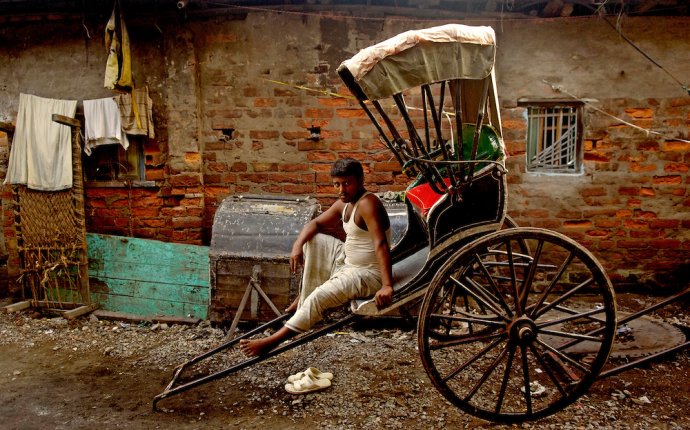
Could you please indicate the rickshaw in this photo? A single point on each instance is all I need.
(514, 323)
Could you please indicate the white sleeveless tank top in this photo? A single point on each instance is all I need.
(359, 245)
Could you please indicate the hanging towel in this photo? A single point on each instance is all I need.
(140, 98)
(118, 67)
(102, 124)
(41, 153)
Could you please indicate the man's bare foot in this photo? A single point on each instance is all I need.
(293, 306)
(255, 347)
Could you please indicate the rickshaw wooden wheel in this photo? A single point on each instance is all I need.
(501, 333)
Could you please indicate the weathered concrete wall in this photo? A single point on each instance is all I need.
(235, 99)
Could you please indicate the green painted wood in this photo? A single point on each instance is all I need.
(151, 290)
(148, 277)
(148, 307)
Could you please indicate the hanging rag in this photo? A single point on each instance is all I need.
(41, 153)
(137, 121)
(102, 124)
(118, 68)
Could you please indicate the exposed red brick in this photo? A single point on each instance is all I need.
(254, 177)
(676, 167)
(628, 191)
(577, 224)
(294, 135)
(264, 167)
(344, 146)
(597, 233)
(299, 189)
(632, 243)
(647, 192)
(265, 102)
(676, 145)
(607, 223)
(311, 145)
(318, 156)
(667, 180)
(664, 223)
(350, 113)
(666, 243)
(333, 101)
(601, 157)
(638, 167)
(635, 223)
(186, 222)
(640, 112)
(318, 113)
(593, 191)
(297, 167)
(185, 180)
(264, 134)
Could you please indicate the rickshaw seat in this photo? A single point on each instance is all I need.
(403, 272)
(423, 197)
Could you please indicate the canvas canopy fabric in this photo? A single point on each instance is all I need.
(417, 57)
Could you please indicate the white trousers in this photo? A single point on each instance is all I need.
(327, 282)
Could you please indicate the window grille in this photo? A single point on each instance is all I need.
(554, 139)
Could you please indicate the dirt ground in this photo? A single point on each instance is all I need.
(87, 374)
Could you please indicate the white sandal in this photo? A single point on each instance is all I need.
(307, 384)
(311, 371)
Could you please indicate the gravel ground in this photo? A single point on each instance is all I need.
(88, 372)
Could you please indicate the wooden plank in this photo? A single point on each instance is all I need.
(16, 307)
(121, 316)
(151, 290)
(148, 307)
(81, 310)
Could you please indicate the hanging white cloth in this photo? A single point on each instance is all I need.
(103, 124)
(41, 153)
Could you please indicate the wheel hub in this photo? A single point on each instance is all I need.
(522, 330)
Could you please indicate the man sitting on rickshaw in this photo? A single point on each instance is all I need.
(336, 272)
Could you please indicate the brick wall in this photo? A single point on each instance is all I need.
(238, 111)
(631, 207)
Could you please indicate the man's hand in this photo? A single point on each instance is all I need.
(296, 259)
(384, 296)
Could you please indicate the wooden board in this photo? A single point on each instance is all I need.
(148, 277)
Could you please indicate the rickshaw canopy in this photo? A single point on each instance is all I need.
(417, 57)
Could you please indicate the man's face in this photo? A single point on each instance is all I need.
(348, 187)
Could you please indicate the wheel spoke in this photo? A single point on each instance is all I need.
(504, 381)
(571, 335)
(563, 356)
(547, 369)
(562, 298)
(513, 276)
(552, 284)
(439, 344)
(472, 359)
(490, 298)
(525, 377)
(494, 287)
(527, 282)
(486, 374)
(572, 317)
(463, 318)
(480, 298)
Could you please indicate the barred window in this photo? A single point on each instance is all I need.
(554, 137)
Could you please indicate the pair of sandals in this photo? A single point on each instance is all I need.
(309, 381)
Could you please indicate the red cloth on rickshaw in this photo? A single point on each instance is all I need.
(423, 197)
